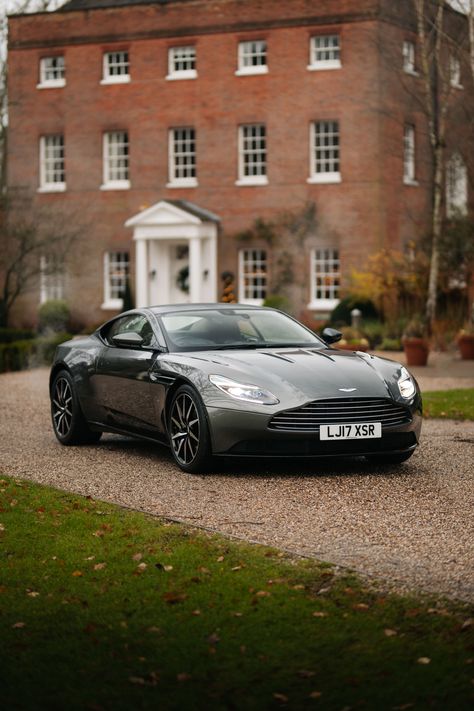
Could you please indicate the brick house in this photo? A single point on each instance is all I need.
(171, 126)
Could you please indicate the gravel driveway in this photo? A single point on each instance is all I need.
(413, 524)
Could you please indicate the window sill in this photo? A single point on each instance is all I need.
(185, 74)
(411, 72)
(183, 183)
(456, 86)
(112, 305)
(411, 183)
(252, 302)
(251, 71)
(53, 84)
(52, 188)
(325, 178)
(256, 181)
(323, 66)
(322, 304)
(117, 185)
(120, 79)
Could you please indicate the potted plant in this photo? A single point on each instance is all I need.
(465, 341)
(352, 340)
(415, 342)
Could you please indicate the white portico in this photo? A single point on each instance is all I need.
(175, 253)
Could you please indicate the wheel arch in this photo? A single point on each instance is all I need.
(181, 380)
(57, 367)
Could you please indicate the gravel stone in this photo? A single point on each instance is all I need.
(412, 525)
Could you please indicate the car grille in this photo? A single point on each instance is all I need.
(341, 411)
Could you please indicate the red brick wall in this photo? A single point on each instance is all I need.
(369, 209)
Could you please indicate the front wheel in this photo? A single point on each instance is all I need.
(69, 424)
(386, 459)
(188, 431)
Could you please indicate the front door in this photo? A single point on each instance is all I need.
(179, 273)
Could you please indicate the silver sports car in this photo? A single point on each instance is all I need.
(235, 380)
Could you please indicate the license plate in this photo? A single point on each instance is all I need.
(363, 430)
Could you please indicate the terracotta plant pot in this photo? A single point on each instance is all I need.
(466, 346)
(416, 351)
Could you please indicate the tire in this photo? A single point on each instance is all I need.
(386, 459)
(188, 431)
(69, 424)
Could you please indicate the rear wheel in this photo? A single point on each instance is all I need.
(188, 431)
(386, 459)
(69, 424)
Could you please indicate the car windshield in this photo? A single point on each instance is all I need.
(239, 328)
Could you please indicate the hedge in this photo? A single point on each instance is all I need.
(10, 335)
(28, 353)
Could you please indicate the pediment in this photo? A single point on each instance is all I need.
(168, 212)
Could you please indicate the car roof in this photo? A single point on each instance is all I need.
(168, 308)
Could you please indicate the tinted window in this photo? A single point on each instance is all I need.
(135, 323)
(233, 328)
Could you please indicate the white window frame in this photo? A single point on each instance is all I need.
(252, 258)
(455, 72)
(174, 180)
(316, 174)
(51, 279)
(55, 83)
(110, 183)
(409, 58)
(318, 64)
(260, 178)
(111, 301)
(457, 191)
(321, 257)
(246, 51)
(409, 154)
(177, 74)
(107, 77)
(46, 185)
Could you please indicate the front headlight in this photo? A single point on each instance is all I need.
(406, 384)
(242, 391)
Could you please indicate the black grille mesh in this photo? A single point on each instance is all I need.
(341, 411)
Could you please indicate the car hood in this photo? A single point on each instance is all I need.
(293, 375)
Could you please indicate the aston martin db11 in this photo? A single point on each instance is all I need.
(234, 380)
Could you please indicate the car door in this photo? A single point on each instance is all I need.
(126, 396)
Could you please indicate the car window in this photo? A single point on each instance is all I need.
(215, 328)
(135, 323)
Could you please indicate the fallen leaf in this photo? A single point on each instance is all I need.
(99, 566)
(98, 534)
(213, 638)
(183, 676)
(315, 694)
(390, 633)
(196, 613)
(167, 568)
(467, 623)
(263, 593)
(237, 614)
(172, 597)
(32, 593)
(90, 557)
(18, 625)
(137, 556)
(220, 559)
(306, 673)
(318, 613)
(136, 680)
(423, 660)
(360, 606)
(2, 527)
(280, 697)
(298, 587)
(236, 567)
(141, 567)
(76, 574)
(153, 629)
(205, 571)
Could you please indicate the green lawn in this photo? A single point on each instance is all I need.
(449, 404)
(103, 608)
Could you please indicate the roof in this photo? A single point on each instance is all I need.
(95, 4)
(205, 215)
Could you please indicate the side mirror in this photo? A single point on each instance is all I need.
(330, 335)
(130, 339)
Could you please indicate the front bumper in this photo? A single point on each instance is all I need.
(239, 433)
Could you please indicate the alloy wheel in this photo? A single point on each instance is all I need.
(184, 428)
(62, 407)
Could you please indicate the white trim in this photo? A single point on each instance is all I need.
(183, 183)
(183, 74)
(242, 274)
(45, 187)
(252, 181)
(52, 188)
(112, 305)
(323, 304)
(325, 178)
(410, 183)
(117, 79)
(51, 84)
(116, 185)
(249, 71)
(110, 302)
(326, 303)
(322, 66)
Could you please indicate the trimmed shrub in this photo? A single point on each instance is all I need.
(341, 314)
(9, 335)
(21, 355)
(53, 316)
(391, 344)
(275, 301)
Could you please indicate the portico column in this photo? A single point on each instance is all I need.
(141, 272)
(195, 271)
